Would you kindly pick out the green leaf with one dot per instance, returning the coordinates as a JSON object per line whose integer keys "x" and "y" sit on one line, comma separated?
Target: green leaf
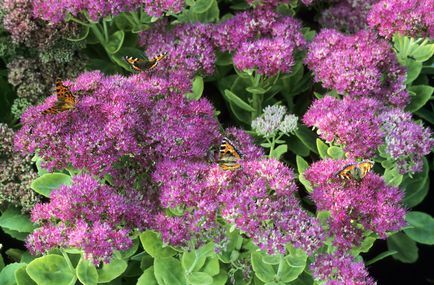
{"x": 302, "y": 165}
{"x": 212, "y": 266}
{"x": 13, "y": 221}
{"x": 279, "y": 151}
{"x": 23, "y": 278}
{"x": 231, "y": 97}
{"x": 322, "y": 148}
{"x": 422, "y": 94}
{"x": 154, "y": 245}
{"x": 292, "y": 265}
{"x": 197, "y": 89}
{"x": 422, "y": 230}
{"x": 335, "y": 152}
{"x": 199, "y": 278}
{"x": 413, "y": 70}
{"x": 307, "y": 137}
{"x": 148, "y": 277}
{"x": 86, "y": 272}
{"x": 392, "y": 177}
{"x": 112, "y": 270}
{"x": 51, "y": 269}
{"x": 381, "y": 256}
{"x": 201, "y": 6}
{"x": 406, "y": 247}
{"x": 221, "y": 278}
{"x": 115, "y": 42}
{"x": 415, "y": 192}
{"x": 7, "y": 275}
{"x": 48, "y": 182}
{"x": 168, "y": 271}
{"x": 271, "y": 259}
{"x": 82, "y": 36}
{"x": 263, "y": 271}
{"x": 296, "y": 146}
{"x": 365, "y": 246}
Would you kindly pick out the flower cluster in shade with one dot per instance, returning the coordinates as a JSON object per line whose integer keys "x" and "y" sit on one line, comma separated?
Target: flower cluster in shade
{"x": 353, "y": 123}
{"x": 340, "y": 269}
{"x": 88, "y": 216}
{"x": 189, "y": 51}
{"x": 274, "y": 120}
{"x": 406, "y": 141}
{"x": 355, "y": 207}
{"x": 55, "y": 11}
{"x": 274, "y": 3}
{"x": 33, "y": 78}
{"x": 359, "y": 65}
{"x": 118, "y": 116}
{"x": 406, "y": 17}
{"x": 16, "y": 174}
{"x": 346, "y": 16}
{"x": 260, "y": 39}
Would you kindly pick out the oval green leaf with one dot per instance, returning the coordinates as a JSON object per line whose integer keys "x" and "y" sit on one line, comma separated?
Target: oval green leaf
{"x": 48, "y": 182}
{"x": 51, "y": 269}
{"x": 422, "y": 230}
{"x": 406, "y": 248}
{"x": 148, "y": 277}
{"x": 7, "y": 274}
{"x": 231, "y": 97}
{"x": 86, "y": 272}
{"x": 168, "y": 271}
{"x": 199, "y": 278}
{"x": 263, "y": 271}
{"x": 112, "y": 270}
{"x": 154, "y": 246}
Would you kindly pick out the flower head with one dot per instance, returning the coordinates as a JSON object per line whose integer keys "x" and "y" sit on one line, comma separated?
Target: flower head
{"x": 358, "y": 65}
{"x": 406, "y": 17}
{"x": 352, "y": 123}
{"x": 274, "y": 119}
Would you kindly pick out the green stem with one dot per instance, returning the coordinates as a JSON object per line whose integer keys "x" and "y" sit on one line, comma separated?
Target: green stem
{"x": 74, "y": 19}
{"x": 272, "y": 143}
{"x": 256, "y": 97}
{"x": 97, "y": 32}
{"x": 106, "y": 35}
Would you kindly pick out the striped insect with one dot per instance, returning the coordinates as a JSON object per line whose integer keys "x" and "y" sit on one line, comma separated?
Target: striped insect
{"x": 355, "y": 171}
{"x": 141, "y": 64}
{"x": 65, "y": 99}
{"x": 229, "y": 155}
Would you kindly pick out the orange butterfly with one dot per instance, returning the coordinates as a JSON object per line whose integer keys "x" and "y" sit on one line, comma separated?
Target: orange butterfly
{"x": 65, "y": 99}
{"x": 141, "y": 64}
{"x": 229, "y": 155}
{"x": 356, "y": 170}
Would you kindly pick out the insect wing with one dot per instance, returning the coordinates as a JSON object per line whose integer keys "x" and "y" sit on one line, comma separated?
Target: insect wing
{"x": 365, "y": 166}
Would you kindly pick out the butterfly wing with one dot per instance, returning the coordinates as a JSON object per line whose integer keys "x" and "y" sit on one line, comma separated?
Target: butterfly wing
{"x": 228, "y": 155}
{"x": 365, "y": 166}
{"x": 140, "y": 64}
{"x": 65, "y": 99}
{"x": 347, "y": 172}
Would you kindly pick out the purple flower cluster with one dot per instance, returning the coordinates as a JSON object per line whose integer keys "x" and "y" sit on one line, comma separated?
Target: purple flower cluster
{"x": 189, "y": 51}
{"x": 88, "y": 216}
{"x": 353, "y": 123}
{"x": 114, "y": 117}
{"x": 269, "y": 54}
{"x": 55, "y": 11}
{"x": 406, "y": 141}
{"x": 357, "y": 65}
{"x": 346, "y": 16}
{"x": 355, "y": 206}
{"x": 340, "y": 269}
{"x": 406, "y": 17}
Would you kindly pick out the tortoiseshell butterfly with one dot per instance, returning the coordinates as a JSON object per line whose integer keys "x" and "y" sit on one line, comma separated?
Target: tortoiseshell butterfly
{"x": 355, "y": 171}
{"x": 65, "y": 99}
{"x": 228, "y": 155}
{"x": 141, "y": 64}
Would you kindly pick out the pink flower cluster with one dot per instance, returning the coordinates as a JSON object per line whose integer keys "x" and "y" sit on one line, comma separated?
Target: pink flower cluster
{"x": 88, "y": 216}
{"x": 357, "y": 65}
{"x": 406, "y": 17}
{"x": 269, "y": 54}
{"x": 355, "y": 206}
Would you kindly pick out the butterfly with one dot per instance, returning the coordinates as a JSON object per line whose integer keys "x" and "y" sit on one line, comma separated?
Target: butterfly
{"x": 228, "y": 155}
{"x": 141, "y": 64}
{"x": 355, "y": 171}
{"x": 65, "y": 99}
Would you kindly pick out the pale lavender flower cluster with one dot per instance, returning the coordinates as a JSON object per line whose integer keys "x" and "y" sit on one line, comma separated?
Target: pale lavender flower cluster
{"x": 355, "y": 206}
{"x": 189, "y": 51}
{"x": 347, "y": 16}
{"x": 357, "y": 65}
{"x": 273, "y": 120}
{"x": 352, "y": 123}
{"x": 272, "y": 52}
{"x": 88, "y": 216}
{"x": 406, "y": 141}
{"x": 406, "y": 17}
{"x": 340, "y": 269}
{"x": 55, "y": 11}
